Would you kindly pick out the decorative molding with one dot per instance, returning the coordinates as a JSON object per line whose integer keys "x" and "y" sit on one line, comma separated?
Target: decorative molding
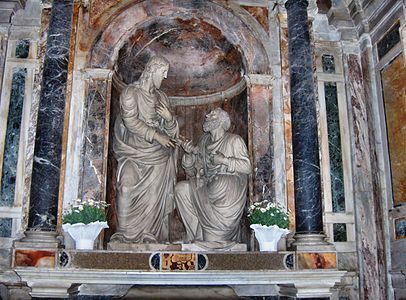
{"x": 94, "y": 73}
{"x": 11, "y": 212}
{"x": 206, "y": 99}
{"x": 49, "y": 282}
{"x": 259, "y": 79}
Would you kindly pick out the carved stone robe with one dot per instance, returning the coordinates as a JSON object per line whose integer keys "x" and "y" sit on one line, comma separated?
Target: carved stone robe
{"x": 146, "y": 171}
{"x": 211, "y": 204}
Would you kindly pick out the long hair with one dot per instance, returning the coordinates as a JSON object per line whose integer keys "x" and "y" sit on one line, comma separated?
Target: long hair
{"x": 155, "y": 63}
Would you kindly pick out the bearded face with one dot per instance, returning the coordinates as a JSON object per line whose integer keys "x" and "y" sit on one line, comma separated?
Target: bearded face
{"x": 211, "y": 122}
{"x": 210, "y": 125}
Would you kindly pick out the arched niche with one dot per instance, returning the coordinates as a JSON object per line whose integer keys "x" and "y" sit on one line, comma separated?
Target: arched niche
{"x": 236, "y": 25}
{"x": 229, "y": 67}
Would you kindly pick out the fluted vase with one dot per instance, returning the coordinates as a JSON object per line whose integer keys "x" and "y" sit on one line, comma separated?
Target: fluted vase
{"x": 268, "y": 236}
{"x": 84, "y": 235}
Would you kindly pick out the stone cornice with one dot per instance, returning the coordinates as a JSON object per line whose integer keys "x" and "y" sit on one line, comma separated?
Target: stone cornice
{"x": 50, "y": 282}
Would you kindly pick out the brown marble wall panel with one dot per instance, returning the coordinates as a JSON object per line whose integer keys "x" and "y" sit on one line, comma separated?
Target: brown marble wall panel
{"x": 34, "y": 258}
{"x": 261, "y": 111}
{"x": 394, "y": 93}
{"x": 92, "y": 169}
{"x": 260, "y": 14}
{"x": 316, "y": 261}
{"x": 367, "y": 69}
{"x": 287, "y": 124}
{"x": 368, "y": 234}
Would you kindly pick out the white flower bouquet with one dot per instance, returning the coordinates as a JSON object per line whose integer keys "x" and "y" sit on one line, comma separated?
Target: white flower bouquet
{"x": 85, "y": 211}
{"x": 268, "y": 213}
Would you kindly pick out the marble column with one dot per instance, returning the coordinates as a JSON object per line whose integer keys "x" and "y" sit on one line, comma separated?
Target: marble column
{"x": 48, "y": 141}
{"x": 309, "y": 225}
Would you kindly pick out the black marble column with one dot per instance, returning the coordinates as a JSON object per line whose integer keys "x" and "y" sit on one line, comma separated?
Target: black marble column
{"x": 48, "y": 141}
{"x": 304, "y": 122}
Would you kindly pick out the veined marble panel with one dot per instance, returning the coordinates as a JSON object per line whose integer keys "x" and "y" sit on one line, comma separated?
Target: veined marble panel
{"x": 48, "y": 143}
{"x": 340, "y": 232}
{"x": 75, "y": 138}
{"x": 368, "y": 234}
{"x": 278, "y": 129}
{"x": 287, "y": 122}
{"x": 394, "y": 93}
{"x": 34, "y": 258}
{"x": 260, "y": 102}
{"x": 32, "y": 113}
{"x": 22, "y": 48}
{"x": 5, "y": 227}
{"x": 317, "y": 260}
{"x": 94, "y": 140}
{"x": 379, "y": 206}
{"x": 9, "y": 170}
{"x": 400, "y": 228}
{"x": 389, "y": 41}
{"x": 334, "y": 141}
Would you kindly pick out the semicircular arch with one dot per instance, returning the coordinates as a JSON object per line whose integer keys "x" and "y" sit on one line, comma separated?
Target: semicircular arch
{"x": 240, "y": 29}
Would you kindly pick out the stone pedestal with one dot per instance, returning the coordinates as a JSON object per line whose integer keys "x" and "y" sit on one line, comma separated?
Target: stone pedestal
{"x": 195, "y": 247}
{"x": 115, "y": 246}
{"x": 199, "y": 247}
{"x": 249, "y": 274}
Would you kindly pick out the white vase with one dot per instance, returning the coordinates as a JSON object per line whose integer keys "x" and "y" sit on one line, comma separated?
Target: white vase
{"x": 84, "y": 234}
{"x": 268, "y": 236}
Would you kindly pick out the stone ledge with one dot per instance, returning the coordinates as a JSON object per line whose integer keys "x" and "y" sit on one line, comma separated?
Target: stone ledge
{"x": 50, "y": 282}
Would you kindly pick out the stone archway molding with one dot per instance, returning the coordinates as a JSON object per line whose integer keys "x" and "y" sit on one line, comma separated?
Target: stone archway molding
{"x": 241, "y": 30}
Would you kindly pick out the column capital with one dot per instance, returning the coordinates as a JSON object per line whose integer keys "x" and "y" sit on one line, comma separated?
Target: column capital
{"x": 97, "y": 73}
{"x": 259, "y": 79}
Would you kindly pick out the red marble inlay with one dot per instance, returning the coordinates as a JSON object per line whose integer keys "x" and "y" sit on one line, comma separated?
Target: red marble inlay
{"x": 317, "y": 261}
{"x": 178, "y": 261}
{"x": 34, "y": 258}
